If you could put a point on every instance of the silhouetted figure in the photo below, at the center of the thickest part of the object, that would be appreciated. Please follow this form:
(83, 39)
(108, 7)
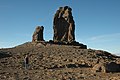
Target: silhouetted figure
(26, 60)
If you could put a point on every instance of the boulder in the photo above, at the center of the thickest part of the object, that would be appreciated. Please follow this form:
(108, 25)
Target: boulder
(63, 25)
(38, 34)
(99, 68)
(112, 67)
(106, 67)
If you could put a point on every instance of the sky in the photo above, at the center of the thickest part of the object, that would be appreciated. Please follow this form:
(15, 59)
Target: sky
(97, 22)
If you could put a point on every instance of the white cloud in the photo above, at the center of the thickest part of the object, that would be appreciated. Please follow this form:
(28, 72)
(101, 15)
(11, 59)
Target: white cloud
(118, 54)
(108, 37)
(109, 42)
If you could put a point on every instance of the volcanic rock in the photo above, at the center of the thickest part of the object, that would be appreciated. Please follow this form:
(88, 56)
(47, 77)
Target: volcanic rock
(112, 67)
(106, 67)
(63, 25)
(100, 67)
(38, 34)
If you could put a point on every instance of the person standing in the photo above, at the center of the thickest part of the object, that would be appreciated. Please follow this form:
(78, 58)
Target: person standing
(26, 61)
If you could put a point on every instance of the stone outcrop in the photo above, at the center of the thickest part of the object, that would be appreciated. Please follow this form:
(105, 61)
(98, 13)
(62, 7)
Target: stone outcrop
(112, 67)
(63, 25)
(106, 67)
(38, 34)
(74, 43)
(99, 68)
(64, 29)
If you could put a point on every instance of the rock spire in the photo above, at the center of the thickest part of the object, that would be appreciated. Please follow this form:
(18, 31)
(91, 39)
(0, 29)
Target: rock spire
(64, 25)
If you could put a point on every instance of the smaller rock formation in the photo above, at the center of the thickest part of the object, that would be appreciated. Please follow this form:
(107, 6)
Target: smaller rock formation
(38, 34)
(106, 67)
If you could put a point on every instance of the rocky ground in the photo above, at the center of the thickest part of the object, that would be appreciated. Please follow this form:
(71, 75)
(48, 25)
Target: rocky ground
(54, 62)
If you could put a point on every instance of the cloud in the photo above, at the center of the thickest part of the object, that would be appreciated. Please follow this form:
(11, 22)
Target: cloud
(107, 42)
(108, 37)
(117, 54)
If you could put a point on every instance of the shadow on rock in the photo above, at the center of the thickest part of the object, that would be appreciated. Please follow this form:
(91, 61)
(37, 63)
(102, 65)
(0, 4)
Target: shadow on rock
(5, 54)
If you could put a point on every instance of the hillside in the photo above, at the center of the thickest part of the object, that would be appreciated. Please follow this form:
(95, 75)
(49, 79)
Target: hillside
(56, 62)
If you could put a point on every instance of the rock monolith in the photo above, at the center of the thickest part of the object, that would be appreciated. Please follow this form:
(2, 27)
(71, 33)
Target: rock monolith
(38, 34)
(64, 25)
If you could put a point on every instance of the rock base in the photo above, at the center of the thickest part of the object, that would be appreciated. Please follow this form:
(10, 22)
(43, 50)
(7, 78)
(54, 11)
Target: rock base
(74, 43)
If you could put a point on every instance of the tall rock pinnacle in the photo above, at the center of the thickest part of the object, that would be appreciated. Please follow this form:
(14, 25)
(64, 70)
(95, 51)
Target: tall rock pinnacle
(63, 25)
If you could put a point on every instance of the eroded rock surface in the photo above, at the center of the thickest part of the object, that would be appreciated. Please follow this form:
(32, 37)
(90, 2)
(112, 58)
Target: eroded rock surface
(38, 34)
(63, 25)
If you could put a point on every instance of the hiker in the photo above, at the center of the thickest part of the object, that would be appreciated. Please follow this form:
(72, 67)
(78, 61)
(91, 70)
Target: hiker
(26, 61)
